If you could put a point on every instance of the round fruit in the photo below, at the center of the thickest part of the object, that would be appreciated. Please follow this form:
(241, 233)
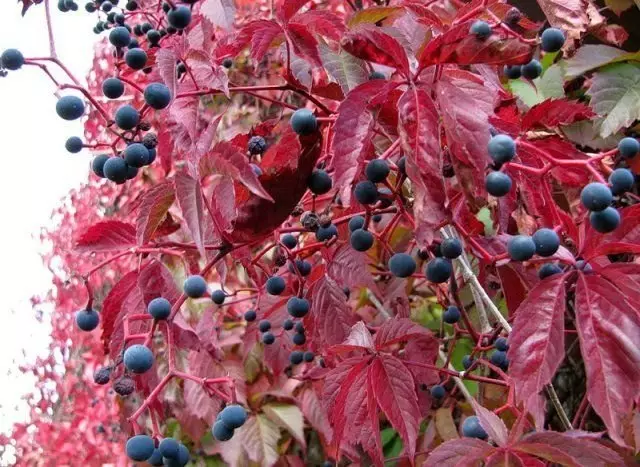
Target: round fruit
(183, 455)
(366, 192)
(156, 458)
(136, 58)
(268, 338)
(376, 75)
(319, 182)
(438, 391)
(521, 247)
(136, 155)
(512, 71)
(131, 172)
(97, 165)
(195, 286)
(131, 5)
(361, 240)
(628, 147)
(227, 62)
(257, 145)
(298, 307)
(87, 320)
(532, 70)
(304, 122)
(70, 107)
(127, 117)
(451, 315)
(12, 59)
(304, 267)
(179, 17)
(605, 221)
(552, 40)
(264, 325)
(218, 297)
(502, 148)
(233, 415)
(499, 358)
(275, 285)
(289, 241)
(467, 361)
(547, 242)
(377, 170)
(138, 358)
(221, 431)
(439, 270)
(115, 169)
(501, 344)
(153, 37)
(73, 145)
(480, 29)
(326, 233)
(157, 96)
(287, 325)
(355, 223)
(622, 180)
(112, 88)
(308, 357)
(300, 327)
(498, 184)
(596, 196)
(402, 165)
(402, 265)
(296, 357)
(169, 448)
(106, 7)
(159, 308)
(471, 428)
(548, 269)
(140, 448)
(250, 316)
(299, 339)
(102, 376)
(119, 36)
(451, 248)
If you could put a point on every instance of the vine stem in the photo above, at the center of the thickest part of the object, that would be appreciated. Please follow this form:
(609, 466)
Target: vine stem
(461, 387)
(52, 43)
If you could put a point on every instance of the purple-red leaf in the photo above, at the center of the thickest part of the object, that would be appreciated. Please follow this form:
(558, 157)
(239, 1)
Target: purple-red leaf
(220, 13)
(287, 8)
(348, 267)
(321, 22)
(153, 209)
(166, 60)
(331, 314)
(304, 44)
(107, 236)
(393, 331)
(112, 305)
(191, 202)
(625, 239)
(371, 44)
(492, 424)
(459, 452)
(553, 112)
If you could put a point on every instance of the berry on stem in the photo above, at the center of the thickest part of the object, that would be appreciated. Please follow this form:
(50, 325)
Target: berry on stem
(157, 96)
(221, 431)
(12, 59)
(451, 248)
(119, 37)
(471, 428)
(628, 147)
(621, 180)
(264, 325)
(439, 270)
(377, 170)
(521, 247)
(512, 71)
(159, 308)
(355, 223)
(498, 184)
(268, 338)
(361, 240)
(140, 448)
(296, 357)
(218, 297)
(376, 75)
(127, 117)
(547, 242)
(596, 196)
(402, 265)
(257, 145)
(112, 88)
(179, 17)
(451, 315)
(501, 344)
(138, 358)
(87, 320)
(70, 107)
(97, 165)
(548, 269)
(552, 40)
(438, 391)
(326, 233)
(319, 182)
(480, 29)
(73, 144)
(233, 415)
(250, 316)
(605, 221)
(136, 58)
(298, 307)
(275, 285)
(366, 192)
(532, 70)
(502, 148)
(136, 155)
(195, 286)
(289, 241)
(304, 122)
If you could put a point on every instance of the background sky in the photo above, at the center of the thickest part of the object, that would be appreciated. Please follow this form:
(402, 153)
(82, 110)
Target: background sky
(35, 173)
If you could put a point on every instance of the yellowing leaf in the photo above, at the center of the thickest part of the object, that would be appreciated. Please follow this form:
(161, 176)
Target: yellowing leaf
(445, 426)
(373, 15)
(288, 417)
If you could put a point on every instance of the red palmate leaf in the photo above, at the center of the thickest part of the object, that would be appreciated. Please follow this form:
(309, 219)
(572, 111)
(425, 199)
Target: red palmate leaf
(331, 315)
(626, 277)
(553, 112)
(303, 43)
(113, 303)
(321, 22)
(314, 412)
(625, 239)
(398, 330)
(107, 236)
(371, 44)
(609, 331)
(569, 15)
(359, 338)
(558, 148)
(492, 424)
(166, 60)
(459, 452)
(287, 8)
(196, 399)
(536, 345)
(260, 34)
(153, 209)
(349, 267)
(191, 202)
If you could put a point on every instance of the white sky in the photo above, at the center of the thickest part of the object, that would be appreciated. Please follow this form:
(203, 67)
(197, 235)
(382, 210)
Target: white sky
(36, 172)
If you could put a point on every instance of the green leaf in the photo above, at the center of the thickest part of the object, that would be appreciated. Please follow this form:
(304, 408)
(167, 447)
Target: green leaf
(615, 95)
(391, 442)
(463, 347)
(348, 71)
(548, 59)
(549, 85)
(587, 133)
(589, 57)
(525, 91)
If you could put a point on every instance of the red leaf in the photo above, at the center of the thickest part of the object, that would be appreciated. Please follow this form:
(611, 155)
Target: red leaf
(459, 452)
(536, 345)
(393, 331)
(166, 60)
(303, 43)
(553, 112)
(459, 46)
(191, 202)
(315, 413)
(418, 128)
(394, 389)
(609, 331)
(566, 450)
(492, 424)
(371, 44)
(261, 34)
(287, 8)
(220, 13)
(626, 277)
(321, 22)
(196, 399)
(153, 209)
(575, 176)
(568, 15)
(112, 305)
(422, 351)
(223, 206)
(359, 338)
(207, 74)
(349, 267)
(107, 236)
(331, 315)
(626, 238)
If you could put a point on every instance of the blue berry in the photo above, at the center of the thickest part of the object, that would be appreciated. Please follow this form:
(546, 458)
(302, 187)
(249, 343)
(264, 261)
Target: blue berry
(218, 297)
(287, 325)
(169, 448)
(596, 196)
(250, 316)
(299, 339)
(289, 241)
(583, 266)
(159, 308)
(451, 315)
(12, 59)
(119, 37)
(376, 75)
(179, 17)
(512, 71)
(499, 358)
(157, 96)
(402, 265)
(467, 361)
(480, 29)
(221, 431)
(257, 145)
(275, 285)
(73, 145)
(361, 240)
(264, 325)
(521, 247)
(115, 169)
(153, 37)
(304, 267)
(106, 6)
(552, 40)
(355, 223)
(300, 327)
(131, 172)
(547, 242)
(366, 192)
(268, 338)
(97, 165)
(605, 221)
(90, 7)
(326, 233)
(402, 165)
(319, 182)
(138, 359)
(227, 62)
(502, 148)
(156, 458)
(131, 5)
(471, 428)
(134, 44)
(112, 88)
(127, 117)
(140, 448)
(501, 344)
(622, 180)
(183, 455)
(296, 357)
(195, 286)
(532, 70)
(87, 320)
(136, 155)
(233, 415)
(548, 269)
(498, 184)
(70, 107)
(304, 122)
(377, 170)
(451, 248)
(298, 307)
(438, 391)
(308, 356)
(628, 147)
(136, 58)
(439, 270)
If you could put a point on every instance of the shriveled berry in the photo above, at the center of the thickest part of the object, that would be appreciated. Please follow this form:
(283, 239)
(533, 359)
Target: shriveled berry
(102, 375)
(124, 386)
(256, 145)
